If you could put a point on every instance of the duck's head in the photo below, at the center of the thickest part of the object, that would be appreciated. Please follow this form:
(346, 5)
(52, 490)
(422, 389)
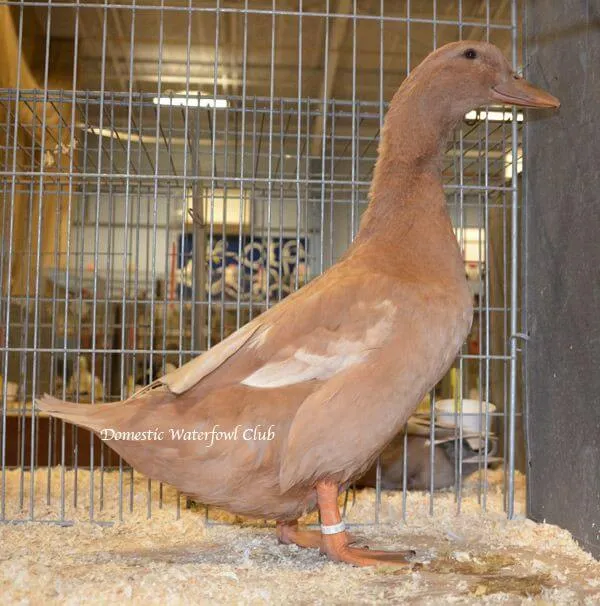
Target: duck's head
(464, 75)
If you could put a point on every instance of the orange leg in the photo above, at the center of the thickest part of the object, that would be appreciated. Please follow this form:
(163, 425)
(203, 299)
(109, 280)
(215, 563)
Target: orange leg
(337, 546)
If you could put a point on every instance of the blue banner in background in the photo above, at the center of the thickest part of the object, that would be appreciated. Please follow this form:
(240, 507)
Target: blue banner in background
(246, 268)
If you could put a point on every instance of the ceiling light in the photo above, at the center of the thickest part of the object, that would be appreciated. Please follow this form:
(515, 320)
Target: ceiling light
(190, 101)
(493, 116)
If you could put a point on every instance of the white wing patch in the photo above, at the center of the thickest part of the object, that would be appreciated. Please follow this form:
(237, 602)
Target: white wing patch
(302, 365)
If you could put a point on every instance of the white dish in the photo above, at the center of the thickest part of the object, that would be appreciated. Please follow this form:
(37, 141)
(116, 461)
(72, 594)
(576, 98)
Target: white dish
(473, 414)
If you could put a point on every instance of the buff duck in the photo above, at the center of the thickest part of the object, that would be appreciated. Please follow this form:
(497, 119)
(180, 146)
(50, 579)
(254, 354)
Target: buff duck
(300, 401)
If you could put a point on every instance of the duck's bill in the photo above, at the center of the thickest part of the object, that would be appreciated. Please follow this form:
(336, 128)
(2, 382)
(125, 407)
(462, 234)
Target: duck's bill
(519, 92)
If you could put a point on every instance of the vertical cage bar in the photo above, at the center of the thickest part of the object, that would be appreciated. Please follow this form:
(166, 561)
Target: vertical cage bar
(13, 186)
(514, 284)
(38, 265)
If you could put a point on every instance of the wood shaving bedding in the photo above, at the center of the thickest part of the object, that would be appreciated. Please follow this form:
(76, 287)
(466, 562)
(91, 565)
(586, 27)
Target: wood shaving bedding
(476, 557)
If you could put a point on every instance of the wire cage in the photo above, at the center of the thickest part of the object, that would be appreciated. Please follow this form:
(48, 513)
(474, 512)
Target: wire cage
(169, 170)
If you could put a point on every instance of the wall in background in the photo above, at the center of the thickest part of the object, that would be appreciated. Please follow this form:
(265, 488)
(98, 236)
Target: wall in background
(562, 279)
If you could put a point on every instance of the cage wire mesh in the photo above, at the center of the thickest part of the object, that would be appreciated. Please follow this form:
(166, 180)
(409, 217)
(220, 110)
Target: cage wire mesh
(169, 170)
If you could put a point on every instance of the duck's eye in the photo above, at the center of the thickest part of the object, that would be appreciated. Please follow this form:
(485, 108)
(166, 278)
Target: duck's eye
(470, 53)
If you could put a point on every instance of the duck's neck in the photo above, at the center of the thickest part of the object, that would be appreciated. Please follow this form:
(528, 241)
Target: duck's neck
(407, 181)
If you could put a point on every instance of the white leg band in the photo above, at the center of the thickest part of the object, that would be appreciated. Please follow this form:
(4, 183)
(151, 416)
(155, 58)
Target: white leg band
(333, 529)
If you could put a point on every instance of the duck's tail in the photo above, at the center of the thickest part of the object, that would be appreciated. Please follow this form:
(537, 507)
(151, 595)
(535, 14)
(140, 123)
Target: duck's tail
(90, 416)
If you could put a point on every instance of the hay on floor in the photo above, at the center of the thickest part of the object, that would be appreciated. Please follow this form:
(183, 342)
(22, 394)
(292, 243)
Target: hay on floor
(473, 558)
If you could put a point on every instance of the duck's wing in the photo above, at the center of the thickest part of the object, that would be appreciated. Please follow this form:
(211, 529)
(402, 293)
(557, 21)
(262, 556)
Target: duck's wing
(190, 374)
(326, 327)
